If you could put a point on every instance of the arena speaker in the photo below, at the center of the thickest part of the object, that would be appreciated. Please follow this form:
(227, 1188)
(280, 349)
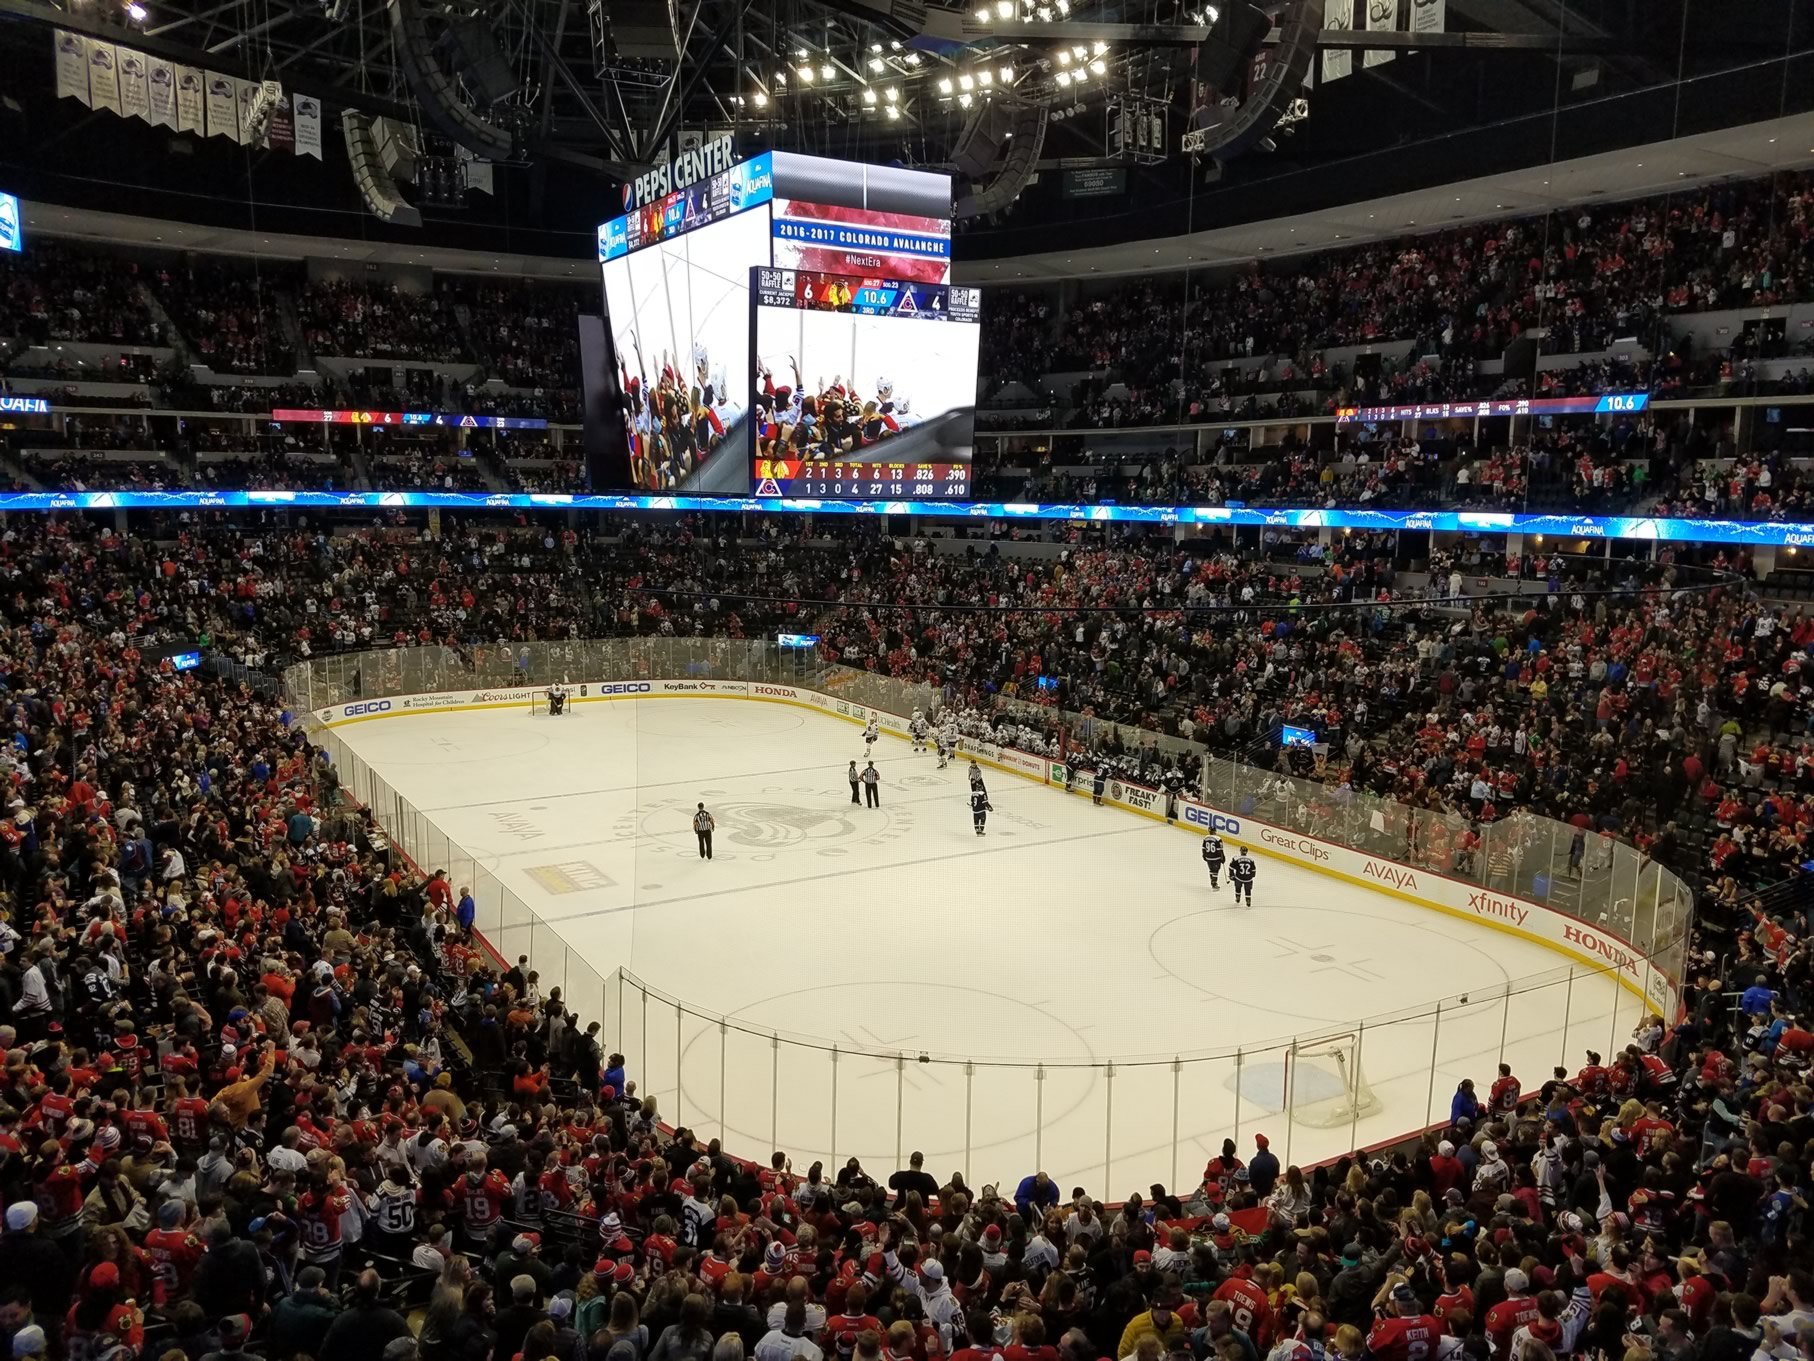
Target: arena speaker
(645, 28)
(1013, 137)
(480, 61)
(398, 148)
(376, 186)
(1234, 38)
(435, 89)
(1281, 82)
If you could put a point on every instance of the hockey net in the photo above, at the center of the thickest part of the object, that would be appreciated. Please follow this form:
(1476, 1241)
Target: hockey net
(1325, 1084)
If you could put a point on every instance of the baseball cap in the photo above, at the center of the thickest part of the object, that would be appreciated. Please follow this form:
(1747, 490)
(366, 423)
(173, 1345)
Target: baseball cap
(30, 1341)
(933, 1271)
(105, 1276)
(21, 1215)
(1142, 1257)
(1516, 1281)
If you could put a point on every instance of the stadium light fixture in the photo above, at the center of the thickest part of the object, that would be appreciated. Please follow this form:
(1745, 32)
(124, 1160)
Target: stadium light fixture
(1099, 66)
(892, 94)
(982, 15)
(1064, 58)
(1064, 6)
(966, 83)
(1064, 78)
(944, 86)
(875, 64)
(760, 100)
(875, 47)
(137, 12)
(1099, 47)
(869, 97)
(894, 110)
(1080, 51)
(827, 73)
(1007, 74)
(964, 101)
(1004, 9)
(913, 58)
(985, 77)
(806, 75)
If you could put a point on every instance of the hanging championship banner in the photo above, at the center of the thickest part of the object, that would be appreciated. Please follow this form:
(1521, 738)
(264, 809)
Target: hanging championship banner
(308, 126)
(223, 106)
(189, 100)
(103, 76)
(280, 133)
(72, 65)
(1339, 16)
(1429, 16)
(135, 90)
(1382, 17)
(160, 89)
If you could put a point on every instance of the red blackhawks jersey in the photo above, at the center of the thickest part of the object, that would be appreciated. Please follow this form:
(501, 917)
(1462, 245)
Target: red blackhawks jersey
(1250, 1309)
(1506, 1318)
(1411, 1338)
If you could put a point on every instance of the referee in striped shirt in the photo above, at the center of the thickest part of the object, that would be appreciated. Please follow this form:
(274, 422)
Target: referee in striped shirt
(703, 823)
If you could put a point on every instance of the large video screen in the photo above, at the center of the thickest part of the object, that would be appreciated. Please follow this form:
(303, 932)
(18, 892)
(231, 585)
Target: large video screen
(863, 386)
(840, 239)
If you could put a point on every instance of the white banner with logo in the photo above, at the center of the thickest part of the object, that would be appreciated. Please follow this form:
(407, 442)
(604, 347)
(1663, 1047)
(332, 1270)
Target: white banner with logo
(1382, 17)
(72, 65)
(1429, 16)
(103, 76)
(160, 86)
(1339, 16)
(135, 90)
(221, 98)
(308, 126)
(189, 101)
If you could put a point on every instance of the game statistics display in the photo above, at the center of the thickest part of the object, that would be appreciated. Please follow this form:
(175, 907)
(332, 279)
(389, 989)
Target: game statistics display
(862, 386)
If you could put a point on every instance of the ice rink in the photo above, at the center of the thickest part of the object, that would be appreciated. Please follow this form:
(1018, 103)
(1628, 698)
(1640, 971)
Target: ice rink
(1066, 993)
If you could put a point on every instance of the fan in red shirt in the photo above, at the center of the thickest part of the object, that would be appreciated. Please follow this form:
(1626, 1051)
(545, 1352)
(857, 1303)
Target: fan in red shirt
(1510, 1314)
(1505, 1093)
(175, 1253)
(1403, 1331)
(482, 1197)
(188, 1116)
(1251, 1310)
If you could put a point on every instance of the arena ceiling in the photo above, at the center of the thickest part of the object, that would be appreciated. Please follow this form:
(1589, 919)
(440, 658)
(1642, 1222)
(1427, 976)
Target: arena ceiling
(1514, 83)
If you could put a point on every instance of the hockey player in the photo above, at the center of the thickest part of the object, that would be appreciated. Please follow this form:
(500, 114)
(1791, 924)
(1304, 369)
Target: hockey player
(557, 698)
(1099, 785)
(1241, 873)
(976, 775)
(871, 731)
(916, 727)
(855, 777)
(1174, 786)
(979, 808)
(1070, 771)
(945, 745)
(1214, 857)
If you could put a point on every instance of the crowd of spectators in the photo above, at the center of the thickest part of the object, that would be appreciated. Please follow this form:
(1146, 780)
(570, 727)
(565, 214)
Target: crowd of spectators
(378, 320)
(82, 472)
(229, 313)
(58, 291)
(265, 1095)
(526, 333)
(1587, 275)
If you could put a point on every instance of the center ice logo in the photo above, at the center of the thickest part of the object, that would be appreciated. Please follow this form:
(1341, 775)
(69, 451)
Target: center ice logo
(773, 821)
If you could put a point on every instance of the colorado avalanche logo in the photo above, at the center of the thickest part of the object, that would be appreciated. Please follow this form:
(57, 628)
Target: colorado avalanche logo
(101, 59)
(307, 108)
(69, 43)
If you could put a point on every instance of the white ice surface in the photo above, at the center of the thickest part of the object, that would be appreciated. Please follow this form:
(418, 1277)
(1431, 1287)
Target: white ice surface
(1068, 937)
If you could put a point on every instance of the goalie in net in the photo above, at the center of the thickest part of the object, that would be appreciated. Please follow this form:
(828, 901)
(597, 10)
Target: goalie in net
(553, 701)
(1325, 1086)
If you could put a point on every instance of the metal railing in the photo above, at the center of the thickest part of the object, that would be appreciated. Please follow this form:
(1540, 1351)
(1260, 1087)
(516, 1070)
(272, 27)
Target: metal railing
(1112, 1124)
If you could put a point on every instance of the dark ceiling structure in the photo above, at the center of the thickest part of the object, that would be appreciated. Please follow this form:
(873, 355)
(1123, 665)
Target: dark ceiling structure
(570, 97)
